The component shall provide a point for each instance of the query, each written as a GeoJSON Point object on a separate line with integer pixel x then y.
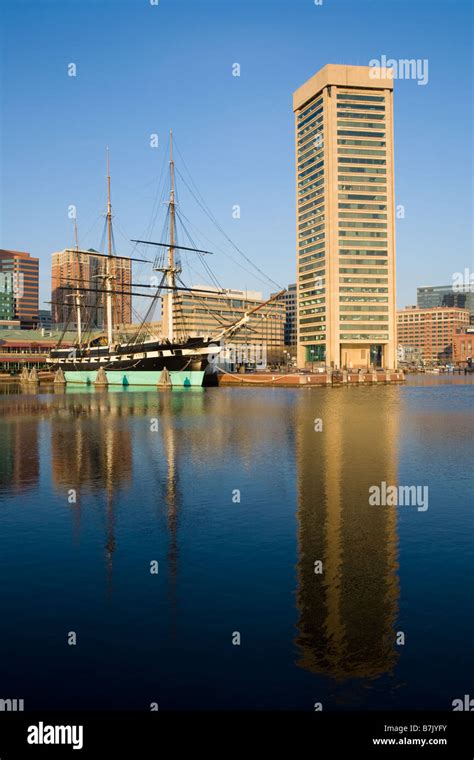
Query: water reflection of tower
{"type": "Point", "coordinates": [91, 452]}
{"type": "Point", "coordinates": [346, 614]}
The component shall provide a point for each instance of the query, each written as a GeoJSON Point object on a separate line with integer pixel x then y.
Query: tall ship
{"type": "Point", "coordinates": [140, 358]}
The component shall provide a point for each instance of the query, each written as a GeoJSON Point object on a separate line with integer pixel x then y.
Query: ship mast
{"type": "Point", "coordinates": [108, 269]}
{"type": "Point", "coordinates": [171, 270]}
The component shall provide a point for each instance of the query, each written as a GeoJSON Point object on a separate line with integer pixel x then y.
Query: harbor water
{"type": "Point", "coordinates": [216, 548]}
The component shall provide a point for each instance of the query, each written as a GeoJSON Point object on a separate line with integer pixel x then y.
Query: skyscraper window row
{"type": "Point", "coordinates": [362, 253]}
{"type": "Point", "coordinates": [304, 285]}
{"type": "Point", "coordinates": [311, 301]}
{"type": "Point", "coordinates": [363, 143]}
{"type": "Point", "coordinates": [302, 235]}
{"type": "Point", "coordinates": [315, 260]}
{"type": "Point", "coordinates": [361, 188]}
{"type": "Point", "coordinates": [361, 178]}
{"type": "Point", "coordinates": [362, 233]}
{"type": "Point", "coordinates": [310, 173]}
{"type": "Point", "coordinates": [310, 118]}
{"type": "Point", "coordinates": [361, 152]}
{"type": "Point", "coordinates": [357, 318]}
{"type": "Point", "coordinates": [359, 107]}
{"type": "Point", "coordinates": [360, 125]}
{"type": "Point", "coordinates": [372, 336]}
{"type": "Point", "coordinates": [314, 207]}
{"type": "Point", "coordinates": [372, 170]}
{"type": "Point", "coordinates": [353, 96]}
{"type": "Point", "coordinates": [379, 117]}
{"type": "Point", "coordinates": [363, 262]}
{"type": "Point", "coordinates": [313, 106]}
{"type": "Point", "coordinates": [359, 224]}
{"type": "Point", "coordinates": [363, 206]}
{"type": "Point", "coordinates": [357, 197]}
{"type": "Point", "coordinates": [304, 204]}
{"type": "Point", "coordinates": [312, 248]}
{"type": "Point", "coordinates": [377, 182]}
{"type": "Point", "coordinates": [313, 310]}
{"type": "Point", "coordinates": [309, 150]}
{"type": "Point", "coordinates": [372, 280]}
{"type": "Point", "coordinates": [312, 219]}
{"type": "Point", "coordinates": [313, 163]}
{"type": "Point", "coordinates": [361, 272]}
{"type": "Point", "coordinates": [369, 243]}
{"type": "Point", "coordinates": [316, 218]}
{"type": "Point", "coordinates": [311, 267]}
{"type": "Point", "coordinates": [314, 187]}
{"type": "Point", "coordinates": [357, 133]}
{"type": "Point", "coordinates": [311, 239]}
{"type": "Point", "coordinates": [305, 226]}
{"type": "Point", "coordinates": [374, 161]}
{"type": "Point", "coordinates": [362, 289]}
{"type": "Point", "coordinates": [313, 329]}
{"type": "Point", "coordinates": [310, 130]}
{"type": "Point", "coordinates": [365, 298]}
{"type": "Point", "coordinates": [310, 133]}
{"type": "Point", "coordinates": [309, 320]}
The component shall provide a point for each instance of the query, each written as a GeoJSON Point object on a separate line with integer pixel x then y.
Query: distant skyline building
{"type": "Point", "coordinates": [289, 298]}
{"type": "Point", "coordinates": [429, 296]}
{"type": "Point", "coordinates": [19, 286]}
{"type": "Point", "coordinates": [75, 269]}
{"type": "Point", "coordinates": [345, 218]}
{"type": "Point", "coordinates": [431, 331]}
{"type": "Point", "coordinates": [44, 319]}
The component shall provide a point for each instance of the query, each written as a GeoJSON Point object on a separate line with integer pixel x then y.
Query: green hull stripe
{"type": "Point", "coordinates": [147, 377]}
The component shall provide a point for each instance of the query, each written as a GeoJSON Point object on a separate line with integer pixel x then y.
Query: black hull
{"type": "Point", "coordinates": [190, 356]}
{"type": "Point", "coordinates": [155, 364]}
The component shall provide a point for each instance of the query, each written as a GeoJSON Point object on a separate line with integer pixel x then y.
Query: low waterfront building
{"type": "Point", "coordinates": [431, 331]}
{"type": "Point", "coordinates": [211, 310]}
{"type": "Point", "coordinates": [463, 344]}
{"type": "Point", "coordinates": [28, 348]}
{"type": "Point", "coordinates": [411, 355]}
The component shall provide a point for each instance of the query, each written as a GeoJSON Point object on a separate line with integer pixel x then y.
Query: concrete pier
{"type": "Point", "coordinates": [337, 378]}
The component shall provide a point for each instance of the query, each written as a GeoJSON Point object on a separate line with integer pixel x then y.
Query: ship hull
{"type": "Point", "coordinates": [124, 378]}
{"type": "Point", "coordinates": [136, 365]}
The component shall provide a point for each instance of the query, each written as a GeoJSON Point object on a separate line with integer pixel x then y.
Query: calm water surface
{"type": "Point", "coordinates": [158, 476]}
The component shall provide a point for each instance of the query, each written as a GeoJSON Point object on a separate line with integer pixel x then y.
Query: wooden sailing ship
{"type": "Point", "coordinates": [140, 360]}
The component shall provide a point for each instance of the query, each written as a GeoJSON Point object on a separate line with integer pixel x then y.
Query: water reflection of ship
{"type": "Point", "coordinates": [347, 614]}
{"type": "Point", "coordinates": [96, 462]}
{"type": "Point", "coordinates": [95, 454]}
{"type": "Point", "coordinates": [19, 452]}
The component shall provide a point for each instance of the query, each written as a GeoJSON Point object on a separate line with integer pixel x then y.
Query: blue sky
{"type": "Point", "coordinates": [142, 69]}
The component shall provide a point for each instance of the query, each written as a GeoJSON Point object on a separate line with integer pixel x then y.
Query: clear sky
{"type": "Point", "coordinates": [144, 68]}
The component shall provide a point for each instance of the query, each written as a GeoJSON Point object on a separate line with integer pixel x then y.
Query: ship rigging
{"type": "Point", "coordinates": [139, 359]}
